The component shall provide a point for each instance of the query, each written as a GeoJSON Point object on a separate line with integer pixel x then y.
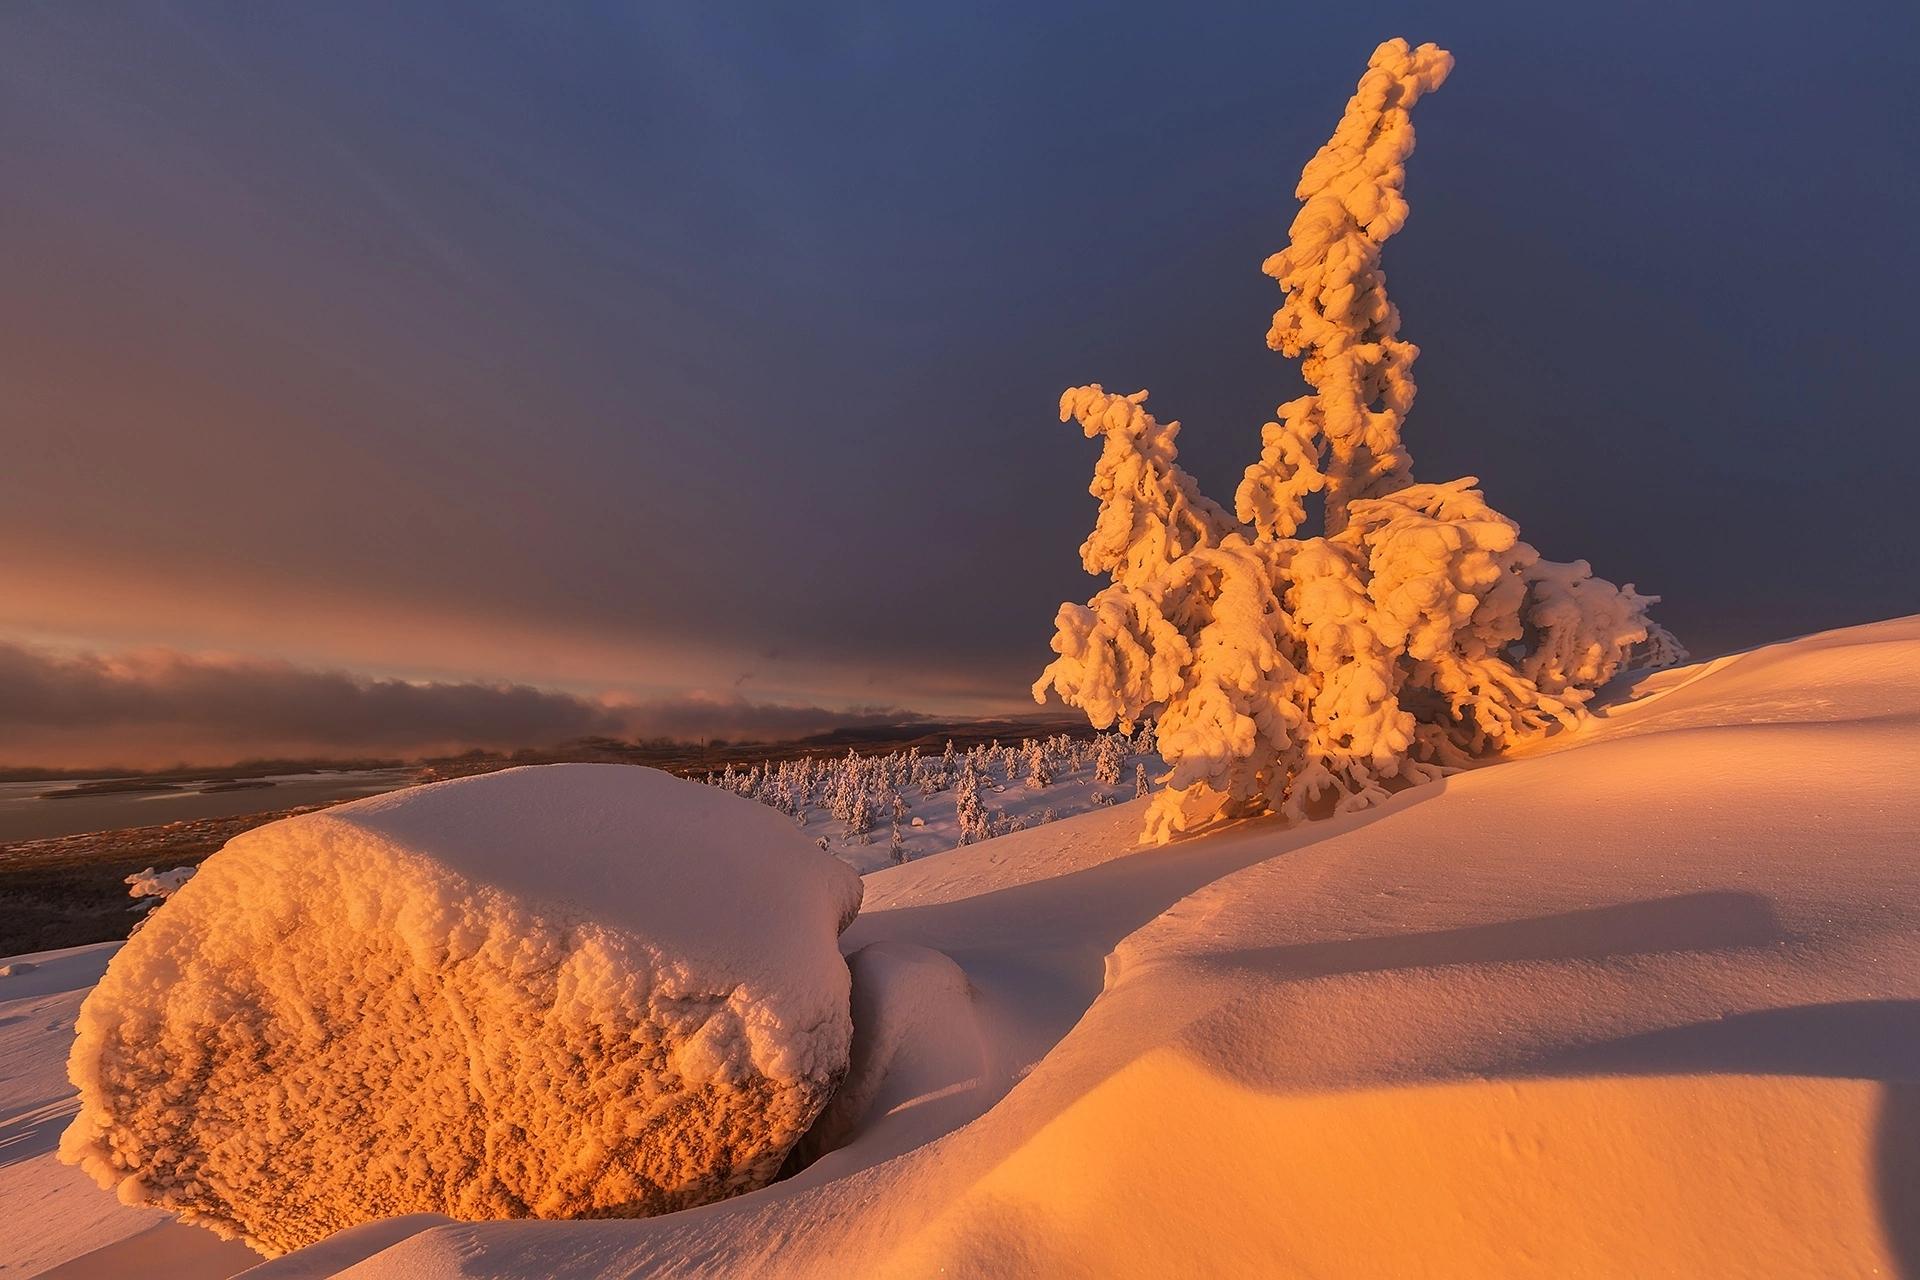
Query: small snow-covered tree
{"type": "Point", "coordinates": [1107, 759]}
{"type": "Point", "coordinates": [1009, 762]}
{"type": "Point", "coordinates": [968, 807]}
{"type": "Point", "coordinates": [1039, 768]}
{"type": "Point", "coordinates": [860, 814]}
{"type": "Point", "coordinates": [1305, 673]}
{"type": "Point", "coordinates": [150, 888]}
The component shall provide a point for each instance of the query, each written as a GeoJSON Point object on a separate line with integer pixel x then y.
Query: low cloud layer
{"type": "Point", "coordinates": [698, 715]}
{"type": "Point", "coordinates": [157, 706]}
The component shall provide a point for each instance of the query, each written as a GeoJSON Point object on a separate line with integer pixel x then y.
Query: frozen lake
{"type": "Point", "coordinates": [26, 815]}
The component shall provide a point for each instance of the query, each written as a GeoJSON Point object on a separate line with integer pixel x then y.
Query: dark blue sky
{"type": "Point", "coordinates": [650, 347]}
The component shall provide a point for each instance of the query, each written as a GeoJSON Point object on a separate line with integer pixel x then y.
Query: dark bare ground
{"type": "Point", "coordinates": [72, 890]}
{"type": "Point", "coordinates": [69, 891]}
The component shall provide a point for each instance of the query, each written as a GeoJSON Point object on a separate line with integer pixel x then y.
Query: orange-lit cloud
{"type": "Point", "coordinates": [57, 600]}
{"type": "Point", "coordinates": [150, 707]}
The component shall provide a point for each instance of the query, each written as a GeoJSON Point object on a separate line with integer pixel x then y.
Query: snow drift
{"type": "Point", "coordinates": [567, 991]}
{"type": "Point", "coordinates": [1644, 1004]}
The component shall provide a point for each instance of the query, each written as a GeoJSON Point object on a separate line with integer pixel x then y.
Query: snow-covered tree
{"type": "Point", "coordinates": [1305, 673]}
{"type": "Point", "coordinates": [150, 888]}
{"type": "Point", "coordinates": [1039, 768]}
{"type": "Point", "coordinates": [1107, 758]}
{"type": "Point", "coordinates": [968, 807]}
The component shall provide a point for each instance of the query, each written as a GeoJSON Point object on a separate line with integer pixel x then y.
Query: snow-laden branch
{"type": "Point", "coordinates": [1312, 674]}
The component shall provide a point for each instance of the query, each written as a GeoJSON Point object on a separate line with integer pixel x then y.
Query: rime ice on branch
{"type": "Point", "coordinates": [1345, 437]}
{"type": "Point", "coordinates": [1311, 674]}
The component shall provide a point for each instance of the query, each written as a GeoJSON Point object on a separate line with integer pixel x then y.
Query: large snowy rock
{"type": "Point", "coordinates": [566, 991]}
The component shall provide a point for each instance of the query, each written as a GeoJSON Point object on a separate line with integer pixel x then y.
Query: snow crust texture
{"type": "Point", "coordinates": [557, 992]}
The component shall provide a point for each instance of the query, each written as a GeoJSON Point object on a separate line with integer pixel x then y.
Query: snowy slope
{"type": "Point", "coordinates": [52, 1212]}
{"type": "Point", "coordinates": [1644, 1003]}
{"type": "Point", "coordinates": [1647, 1004]}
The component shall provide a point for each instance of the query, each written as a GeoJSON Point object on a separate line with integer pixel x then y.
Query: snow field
{"type": "Point", "coordinates": [1642, 1005]}
{"type": "Point", "coordinates": [881, 811]}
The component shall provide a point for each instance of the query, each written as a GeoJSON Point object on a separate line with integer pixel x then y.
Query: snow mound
{"type": "Point", "coordinates": [1646, 1003]}
{"type": "Point", "coordinates": [558, 992]}
{"type": "Point", "coordinates": [916, 1038]}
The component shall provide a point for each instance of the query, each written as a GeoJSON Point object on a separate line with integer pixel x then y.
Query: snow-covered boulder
{"type": "Point", "coordinates": [563, 991]}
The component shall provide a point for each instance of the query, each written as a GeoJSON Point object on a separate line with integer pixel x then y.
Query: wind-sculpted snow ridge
{"type": "Point", "coordinates": [1316, 674]}
{"type": "Point", "coordinates": [564, 991]}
